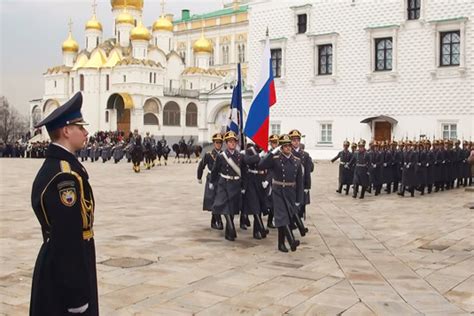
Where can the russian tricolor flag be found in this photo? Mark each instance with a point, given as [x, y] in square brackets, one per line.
[256, 127]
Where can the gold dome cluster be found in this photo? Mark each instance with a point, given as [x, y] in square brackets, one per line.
[140, 32]
[70, 45]
[93, 24]
[163, 24]
[125, 18]
[132, 4]
[202, 45]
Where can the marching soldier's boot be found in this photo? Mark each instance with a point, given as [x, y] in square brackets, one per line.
[213, 222]
[412, 191]
[219, 225]
[354, 194]
[263, 230]
[430, 188]
[230, 233]
[281, 240]
[339, 190]
[256, 228]
[242, 222]
[395, 186]
[347, 189]
[402, 191]
[270, 219]
[299, 223]
[362, 193]
[247, 220]
[422, 190]
[291, 239]
[369, 189]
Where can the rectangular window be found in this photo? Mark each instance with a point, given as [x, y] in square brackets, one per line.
[450, 131]
[106, 116]
[107, 82]
[275, 128]
[413, 8]
[151, 77]
[325, 59]
[81, 82]
[72, 85]
[326, 133]
[302, 23]
[383, 54]
[154, 77]
[55, 84]
[124, 78]
[450, 48]
[276, 62]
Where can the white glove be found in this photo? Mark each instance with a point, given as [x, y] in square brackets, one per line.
[211, 186]
[297, 204]
[306, 190]
[427, 164]
[276, 150]
[200, 181]
[419, 164]
[78, 310]
[262, 154]
[243, 191]
[385, 164]
[374, 165]
[242, 152]
[265, 184]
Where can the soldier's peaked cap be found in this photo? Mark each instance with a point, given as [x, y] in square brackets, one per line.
[217, 137]
[66, 114]
[230, 135]
[294, 133]
[284, 139]
[273, 138]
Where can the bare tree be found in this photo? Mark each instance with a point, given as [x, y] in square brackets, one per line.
[13, 125]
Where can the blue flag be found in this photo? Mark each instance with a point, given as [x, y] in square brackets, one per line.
[235, 122]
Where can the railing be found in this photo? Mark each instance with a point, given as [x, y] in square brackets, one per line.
[177, 92]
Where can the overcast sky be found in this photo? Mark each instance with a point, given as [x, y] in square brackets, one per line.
[32, 31]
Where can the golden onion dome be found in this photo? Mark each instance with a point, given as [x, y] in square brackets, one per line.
[163, 24]
[140, 32]
[124, 18]
[93, 24]
[202, 45]
[70, 45]
[132, 4]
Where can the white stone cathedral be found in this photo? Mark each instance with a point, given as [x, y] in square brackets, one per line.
[136, 80]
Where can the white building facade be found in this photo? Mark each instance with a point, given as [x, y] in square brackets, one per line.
[382, 70]
[136, 80]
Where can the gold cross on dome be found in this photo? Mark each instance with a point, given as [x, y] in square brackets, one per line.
[70, 25]
[94, 6]
[162, 7]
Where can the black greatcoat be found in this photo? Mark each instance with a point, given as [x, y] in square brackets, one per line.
[361, 160]
[409, 175]
[430, 167]
[307, 167]
[288, 171]
[209, 195]
[421, 168]
[65, 270]
[388, 161]
[345, 172]
[228, 200]
[254, 198]
[376, 167]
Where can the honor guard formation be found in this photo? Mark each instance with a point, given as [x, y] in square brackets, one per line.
[251, 184]
[405, 166]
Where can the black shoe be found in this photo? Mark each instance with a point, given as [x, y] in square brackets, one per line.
[230, 233]
[281, 240]
[247, 220]
[242, 223]
[219, 225]
[256, 231]
[270, 220]
[299, 223]
[213, 222]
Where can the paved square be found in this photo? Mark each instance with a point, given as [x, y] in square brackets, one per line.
[378, 256]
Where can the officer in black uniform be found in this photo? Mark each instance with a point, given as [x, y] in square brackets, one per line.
[273, 140]
[64, 278]
[226, 178]
[209, 195]
[361, 160]
[345, 177]
[287, 189]
[307, 165]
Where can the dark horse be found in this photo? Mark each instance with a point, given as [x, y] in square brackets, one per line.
[162, 151]
[150, 155]
[187, 151]
[137, 154]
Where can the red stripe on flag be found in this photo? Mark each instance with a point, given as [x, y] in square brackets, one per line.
[261, 137]
[272, 93]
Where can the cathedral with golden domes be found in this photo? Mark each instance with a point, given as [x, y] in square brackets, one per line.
[173, 78]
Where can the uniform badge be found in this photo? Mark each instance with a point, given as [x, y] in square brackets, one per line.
[68, 196]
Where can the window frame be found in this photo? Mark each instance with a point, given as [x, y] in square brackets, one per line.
[300, 25]
[415, 9]
[320, 48]
[321, 140]
[278, 66]
[385, 50]
[373, 34]
[451, 44]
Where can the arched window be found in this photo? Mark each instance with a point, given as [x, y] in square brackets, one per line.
[36, 115]
[106, 116]
[191, 115]
[150, 119]
[225, 54]
[81, 82]
[241, 53]
[171, 114]
[107, 82]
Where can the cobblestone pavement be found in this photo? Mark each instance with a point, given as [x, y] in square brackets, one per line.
[378, 256]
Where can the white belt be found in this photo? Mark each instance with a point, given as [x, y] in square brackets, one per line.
[229, 177]
[256, 171]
